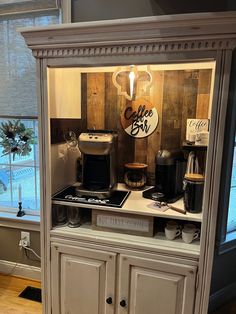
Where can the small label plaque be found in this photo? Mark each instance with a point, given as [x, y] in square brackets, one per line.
[124, 223]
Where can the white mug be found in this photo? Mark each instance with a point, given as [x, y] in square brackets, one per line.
[172, 230]
[188, 235]
[202, 138]
[189, 226]
[192, 137]
[172, 224]
[172, 233]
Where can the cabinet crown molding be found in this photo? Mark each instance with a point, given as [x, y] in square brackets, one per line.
[157, 34]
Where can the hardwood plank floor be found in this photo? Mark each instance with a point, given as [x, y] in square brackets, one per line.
[10, 303]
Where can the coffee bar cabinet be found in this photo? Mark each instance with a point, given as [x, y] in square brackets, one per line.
[143, 283]
[127, 109]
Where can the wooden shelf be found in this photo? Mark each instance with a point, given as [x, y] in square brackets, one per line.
[158, 243]
[136, 204]
[194, 147]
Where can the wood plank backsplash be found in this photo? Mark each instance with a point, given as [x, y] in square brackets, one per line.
[176, 94]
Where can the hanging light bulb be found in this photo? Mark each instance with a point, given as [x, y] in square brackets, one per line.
[132, 77]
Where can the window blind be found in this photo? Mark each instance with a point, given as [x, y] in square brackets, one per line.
[19, 6]
[17, 65]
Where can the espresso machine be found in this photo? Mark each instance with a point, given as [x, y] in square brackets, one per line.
[169, 175]
[99, 164]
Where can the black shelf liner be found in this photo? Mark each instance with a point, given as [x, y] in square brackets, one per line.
[117, 198]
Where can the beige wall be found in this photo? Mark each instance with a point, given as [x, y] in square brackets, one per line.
[9, 246]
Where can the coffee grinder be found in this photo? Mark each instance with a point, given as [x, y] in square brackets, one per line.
[169, 175]
[99, 164]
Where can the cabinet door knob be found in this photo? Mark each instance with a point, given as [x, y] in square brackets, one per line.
[109, 300]
[123, 303]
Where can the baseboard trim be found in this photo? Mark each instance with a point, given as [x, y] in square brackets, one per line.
[20, 270]
[221, 297]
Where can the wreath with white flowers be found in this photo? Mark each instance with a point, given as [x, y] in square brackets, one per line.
[16, 139]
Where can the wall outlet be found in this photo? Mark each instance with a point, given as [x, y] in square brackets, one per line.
[25, 238]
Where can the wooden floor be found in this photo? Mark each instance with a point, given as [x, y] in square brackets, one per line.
[10, 303]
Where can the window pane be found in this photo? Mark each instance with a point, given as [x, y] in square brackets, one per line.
[231, 223]
[5, 186]
[22, 170]
[24, 176]
[26, 6]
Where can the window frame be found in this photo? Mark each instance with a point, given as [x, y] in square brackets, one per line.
[226, 241]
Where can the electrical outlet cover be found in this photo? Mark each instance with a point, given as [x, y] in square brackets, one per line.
[25, 236]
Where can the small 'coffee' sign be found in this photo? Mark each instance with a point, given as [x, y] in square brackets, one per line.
[139, 118]
[195, 126]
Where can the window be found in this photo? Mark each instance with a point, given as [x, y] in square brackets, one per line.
[231, 221]
[226, 222]
[24, 171]
[18, 98]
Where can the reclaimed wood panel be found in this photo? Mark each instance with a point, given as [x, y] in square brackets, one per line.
[203, 97]
[190, 90]
[154, 140]
[175, 95]
[141, 144]
[110, 103]
[96, 100]
[172, 109]
[126, 143]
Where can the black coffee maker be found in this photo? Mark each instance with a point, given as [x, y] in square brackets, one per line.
[169, 175]
[99, 164]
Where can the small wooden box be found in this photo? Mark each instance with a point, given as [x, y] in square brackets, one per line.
[122, 223]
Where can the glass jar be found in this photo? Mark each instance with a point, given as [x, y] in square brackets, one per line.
[74, 216]
[59, 215]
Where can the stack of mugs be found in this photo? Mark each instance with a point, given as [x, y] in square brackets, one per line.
[189, 231]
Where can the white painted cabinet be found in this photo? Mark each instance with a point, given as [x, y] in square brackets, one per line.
[84, 281]
[151, 286]
[77, 279]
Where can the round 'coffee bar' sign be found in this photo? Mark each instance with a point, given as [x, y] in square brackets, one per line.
[139, 118]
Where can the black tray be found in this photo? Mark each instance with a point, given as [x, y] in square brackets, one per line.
[117, 198]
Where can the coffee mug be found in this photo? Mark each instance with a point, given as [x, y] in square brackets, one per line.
[192, 137]
[189, 226]
[202, 138]
[171, 234]
[188, 235]
[172, 230]
[172, 224]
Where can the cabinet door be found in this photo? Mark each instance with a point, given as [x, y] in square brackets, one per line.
[155, 287]
[82, 280]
